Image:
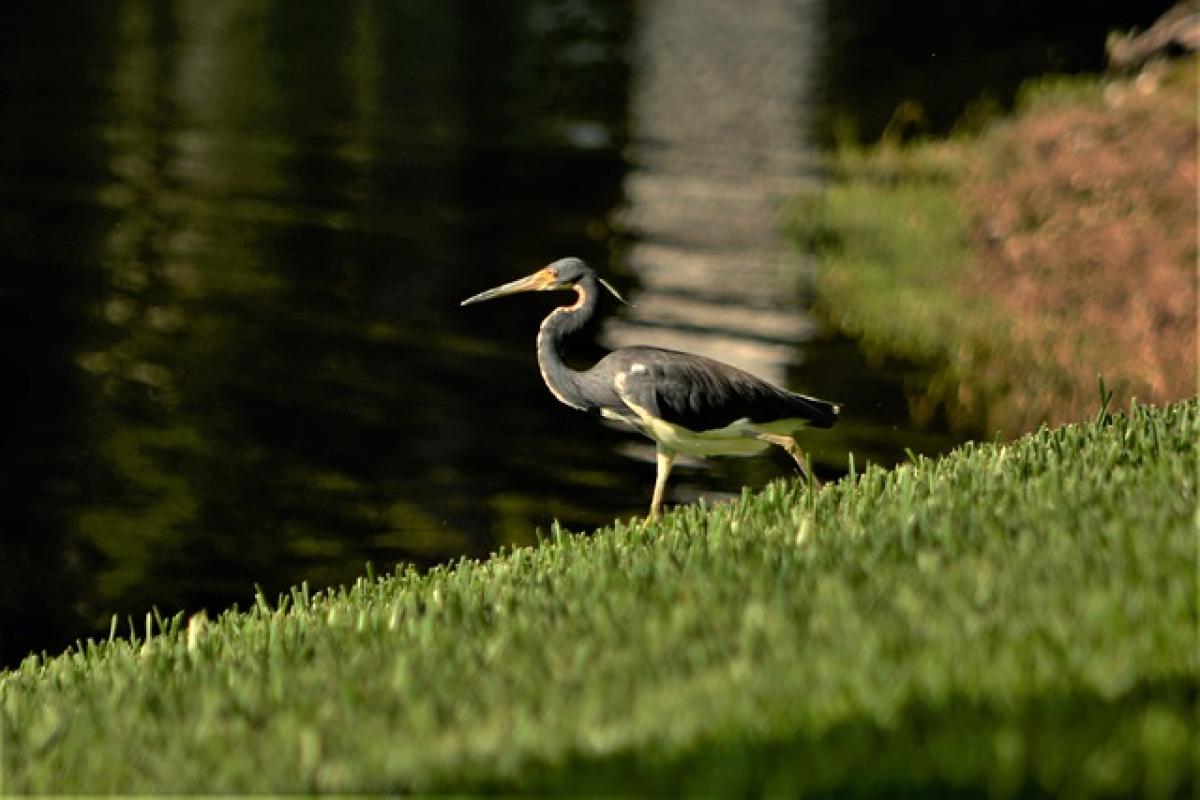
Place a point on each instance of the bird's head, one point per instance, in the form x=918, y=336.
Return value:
x=566, y=273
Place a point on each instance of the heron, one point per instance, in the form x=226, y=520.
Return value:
x=686, y=403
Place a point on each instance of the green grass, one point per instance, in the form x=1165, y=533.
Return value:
x=892, y=235
x=1009, y=619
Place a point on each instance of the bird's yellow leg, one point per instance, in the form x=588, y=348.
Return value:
x=663, y=460
x=793, y=450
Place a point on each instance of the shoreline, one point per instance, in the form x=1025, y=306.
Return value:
x=1028, y=259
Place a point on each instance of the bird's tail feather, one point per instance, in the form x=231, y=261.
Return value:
x=819, y=413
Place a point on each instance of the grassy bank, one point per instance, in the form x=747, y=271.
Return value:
x=1028, y=255
x=1011, y=618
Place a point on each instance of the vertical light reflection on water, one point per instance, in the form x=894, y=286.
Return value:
x=720, y=142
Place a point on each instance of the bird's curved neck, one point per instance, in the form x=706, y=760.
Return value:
x=565, y=383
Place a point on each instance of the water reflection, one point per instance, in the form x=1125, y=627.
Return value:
x=719, y=124
x=720, y=117
x=252, y=224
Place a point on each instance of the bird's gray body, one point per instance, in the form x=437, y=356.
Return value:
x=698, y=393
x=686, y=403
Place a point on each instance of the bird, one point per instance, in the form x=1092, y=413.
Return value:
x=686, y=403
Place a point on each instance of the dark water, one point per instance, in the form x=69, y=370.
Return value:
x=235, y=236
x=948, y=57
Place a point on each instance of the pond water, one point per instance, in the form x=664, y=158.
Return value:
x=236, y=235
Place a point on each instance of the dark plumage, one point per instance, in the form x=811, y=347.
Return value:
x=702, y=394
x=686, y=403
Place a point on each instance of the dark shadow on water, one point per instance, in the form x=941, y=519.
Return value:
x=941, y=58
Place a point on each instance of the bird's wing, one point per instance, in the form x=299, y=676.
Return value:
x=702, y=394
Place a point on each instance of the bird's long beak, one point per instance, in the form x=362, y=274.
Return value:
x=537, y=282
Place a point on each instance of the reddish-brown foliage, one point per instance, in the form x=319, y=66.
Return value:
x=1086, y=236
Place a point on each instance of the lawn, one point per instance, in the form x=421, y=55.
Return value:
x=1011, y=618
